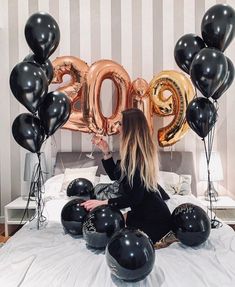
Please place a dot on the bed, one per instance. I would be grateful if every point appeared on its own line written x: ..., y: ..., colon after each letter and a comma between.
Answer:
x: 50, y: 257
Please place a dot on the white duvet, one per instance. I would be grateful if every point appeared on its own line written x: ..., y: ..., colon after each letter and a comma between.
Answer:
x: 51, y: 258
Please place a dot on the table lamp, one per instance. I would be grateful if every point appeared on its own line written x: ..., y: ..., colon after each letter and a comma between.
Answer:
x: 216, y: 174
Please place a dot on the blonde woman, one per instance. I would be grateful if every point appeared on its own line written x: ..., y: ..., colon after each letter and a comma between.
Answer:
x: 137, y: 173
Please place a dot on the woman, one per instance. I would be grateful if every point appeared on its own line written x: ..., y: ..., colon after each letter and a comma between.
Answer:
x: 137, y: 174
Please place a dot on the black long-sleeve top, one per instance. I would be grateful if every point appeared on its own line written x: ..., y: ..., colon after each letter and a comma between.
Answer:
x: 148, y: 212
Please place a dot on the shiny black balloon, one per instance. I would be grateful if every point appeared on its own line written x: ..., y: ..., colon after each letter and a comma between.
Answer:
x: 73, y: 216
x: 201, y: 116
x: 208, y: 70
x: 42, y: 34
x: 46, y: 66
x: 218, y: 26
x: 80, y: 187
x: 191, y: 224
x: 227, y: 81
x: 100, y: 224
x: 28, y: 132
x: 130, y: 255
x: 29, y: 85
x: 185, y: 50
x: 54, y: 111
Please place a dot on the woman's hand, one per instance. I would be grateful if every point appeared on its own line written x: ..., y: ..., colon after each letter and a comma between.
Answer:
x: 100, y: 143
x: 92, y: 203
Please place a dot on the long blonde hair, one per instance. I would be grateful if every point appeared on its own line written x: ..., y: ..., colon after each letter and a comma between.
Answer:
x: 137, y: 149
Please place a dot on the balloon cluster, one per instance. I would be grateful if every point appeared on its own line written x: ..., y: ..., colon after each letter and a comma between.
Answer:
x: 29, y: 82
x: 129, y: 253
x: 211, y: 72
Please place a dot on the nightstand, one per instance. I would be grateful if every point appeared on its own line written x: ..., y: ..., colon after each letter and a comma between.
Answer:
x: 14, y: 212
x: 224, y: 208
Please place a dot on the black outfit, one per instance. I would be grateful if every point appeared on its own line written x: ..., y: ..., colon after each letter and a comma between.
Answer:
x: 149, y: 212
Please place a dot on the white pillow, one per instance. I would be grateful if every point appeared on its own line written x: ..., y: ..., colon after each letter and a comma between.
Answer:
x: 173, y: 183
x: 105, y: 179
x: 71, y: 174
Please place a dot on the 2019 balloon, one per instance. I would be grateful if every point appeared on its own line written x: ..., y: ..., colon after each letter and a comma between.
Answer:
x: 208, y: 71
x: 201, y: 116
x: 100, y: 225
x: 218, y: 26
x: 73, y: 216
x: 42, y: 34
x: 185, y: 50
x: 191, y: 224
x: 29, y: 85
x: 227, y: 81
x: 54, y: 111
x: 46, y: 66
x: 74, y: 89
x: 130, y: 255
x: 181, y: 93
x: 80, y: 187
x: 28, y: 132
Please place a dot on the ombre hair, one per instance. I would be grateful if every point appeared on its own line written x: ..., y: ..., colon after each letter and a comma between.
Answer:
x: 137, y: 149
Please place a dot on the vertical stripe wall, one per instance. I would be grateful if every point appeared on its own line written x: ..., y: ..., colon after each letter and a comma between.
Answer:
x: 139, y: 34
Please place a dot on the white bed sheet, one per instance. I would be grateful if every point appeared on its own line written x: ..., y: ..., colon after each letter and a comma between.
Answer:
x: 49, y: 257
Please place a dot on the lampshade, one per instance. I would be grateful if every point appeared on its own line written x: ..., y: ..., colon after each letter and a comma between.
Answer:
x: 216, y: 170
x: 31, y: 161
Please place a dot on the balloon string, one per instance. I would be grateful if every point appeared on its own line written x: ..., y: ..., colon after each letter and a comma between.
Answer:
x: 36, y: 188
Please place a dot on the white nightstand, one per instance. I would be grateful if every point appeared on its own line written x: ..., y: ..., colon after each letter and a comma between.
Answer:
x: 224, y: 208
x: 14, y: 212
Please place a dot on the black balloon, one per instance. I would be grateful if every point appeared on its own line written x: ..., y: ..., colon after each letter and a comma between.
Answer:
x: 54, y: 111
x: 28, y: 132
x: 29, y: 85
x: 46, y: 66
x: 201, y: 116
x: 100, y: 224
x: 208, y: 70
x: 218, y: 26
x: 130, y: 255
x: 73, y: 216
x: 80, y: 187
x: 42, y: 34
x: 191, y: 224
x: 227, y: 81
x: 185, y: 50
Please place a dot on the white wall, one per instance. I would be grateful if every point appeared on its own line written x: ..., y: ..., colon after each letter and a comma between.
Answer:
x: 139, y: 34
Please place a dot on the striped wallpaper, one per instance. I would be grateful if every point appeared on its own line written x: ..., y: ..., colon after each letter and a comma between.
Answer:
x: 139, y: 34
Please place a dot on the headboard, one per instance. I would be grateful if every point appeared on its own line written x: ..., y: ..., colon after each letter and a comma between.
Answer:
x: 175, y: 161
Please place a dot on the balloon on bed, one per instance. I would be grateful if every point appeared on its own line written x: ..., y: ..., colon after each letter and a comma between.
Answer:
x: 130, y: 255
x: 29, y: 84
x: 191, y: 224
x: 100, y: 225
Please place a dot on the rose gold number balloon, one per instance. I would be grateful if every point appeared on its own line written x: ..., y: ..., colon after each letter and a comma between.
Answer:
x: 181, y: 93
x: 77, y: 69
x: 139, y: 98
x: 98, y: 72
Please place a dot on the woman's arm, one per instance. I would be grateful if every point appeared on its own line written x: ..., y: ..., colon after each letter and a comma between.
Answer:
x: 111, y: 168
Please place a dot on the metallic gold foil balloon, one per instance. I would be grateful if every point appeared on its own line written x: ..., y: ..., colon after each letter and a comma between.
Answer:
x: 98, y: 72
x: 77, y: 69
x: 181, y: 93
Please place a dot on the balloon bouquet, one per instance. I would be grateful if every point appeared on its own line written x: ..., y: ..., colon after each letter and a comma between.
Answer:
x: 211, y: 72
x: 29, y: 82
